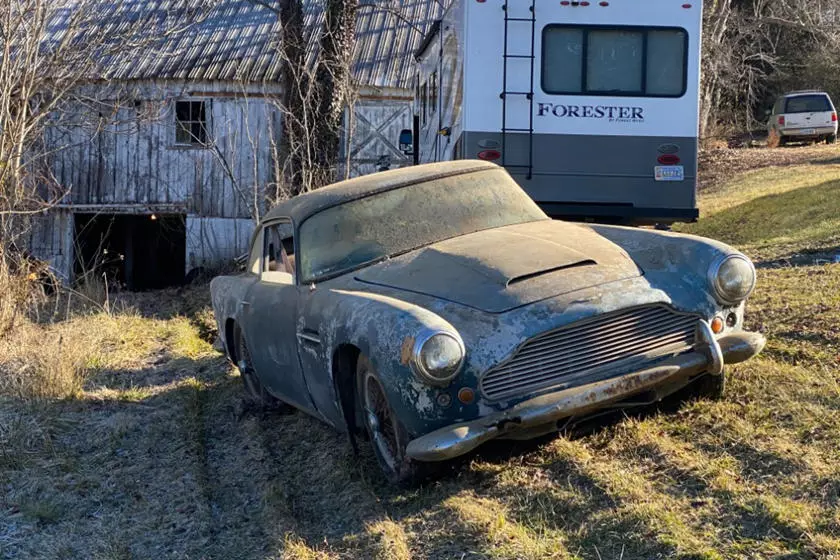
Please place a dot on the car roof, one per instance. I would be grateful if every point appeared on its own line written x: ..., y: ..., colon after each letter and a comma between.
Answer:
x: 805, y: 92
x: 302, y: 206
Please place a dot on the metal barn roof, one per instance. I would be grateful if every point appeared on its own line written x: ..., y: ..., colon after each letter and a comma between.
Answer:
x: 237, y: 40
x: 388, y: 37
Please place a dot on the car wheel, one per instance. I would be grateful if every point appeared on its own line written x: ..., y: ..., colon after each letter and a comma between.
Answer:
x: 709, y: 387
x: 831, y: 139
x: 256, y: 395
x: 388, y: 437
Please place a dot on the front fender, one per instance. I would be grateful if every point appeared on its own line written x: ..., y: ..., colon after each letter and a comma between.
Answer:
x: 383, y: 328
x: 676, y: 263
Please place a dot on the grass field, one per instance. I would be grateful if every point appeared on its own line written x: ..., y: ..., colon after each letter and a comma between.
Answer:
x: 127, y: 439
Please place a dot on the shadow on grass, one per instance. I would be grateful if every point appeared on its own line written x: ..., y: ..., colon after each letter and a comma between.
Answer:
x: 813, y: 257
x: 743, y: 519
x: 789, y: 214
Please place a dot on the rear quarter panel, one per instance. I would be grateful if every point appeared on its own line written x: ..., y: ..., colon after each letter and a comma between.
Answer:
x: 226, y: 293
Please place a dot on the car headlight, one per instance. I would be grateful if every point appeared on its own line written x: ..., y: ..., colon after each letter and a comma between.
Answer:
x: 732, y: 278
x: 438, y: 356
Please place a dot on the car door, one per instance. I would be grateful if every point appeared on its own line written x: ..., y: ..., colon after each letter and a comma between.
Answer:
x: 270, y: 312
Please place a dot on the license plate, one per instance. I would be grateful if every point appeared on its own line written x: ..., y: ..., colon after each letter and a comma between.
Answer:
x: 808, y: 131
x: 669, y: 173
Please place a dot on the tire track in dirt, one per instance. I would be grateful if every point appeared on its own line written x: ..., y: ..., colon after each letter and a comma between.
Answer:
x: 238, y: 474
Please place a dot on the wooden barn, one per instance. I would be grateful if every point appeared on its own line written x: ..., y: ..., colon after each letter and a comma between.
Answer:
x: 168, y: 160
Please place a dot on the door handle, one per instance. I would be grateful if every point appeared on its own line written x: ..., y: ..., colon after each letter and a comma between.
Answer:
x: 243, y: 304
x: 310, y: 336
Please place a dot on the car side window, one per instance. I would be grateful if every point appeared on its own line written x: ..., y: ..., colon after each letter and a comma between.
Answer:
x: 279, y: 253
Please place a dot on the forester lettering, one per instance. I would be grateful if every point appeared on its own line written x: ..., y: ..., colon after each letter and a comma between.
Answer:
x: 613, y: 113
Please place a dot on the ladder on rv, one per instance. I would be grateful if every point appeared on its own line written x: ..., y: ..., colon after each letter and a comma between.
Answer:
x: 528, y: 92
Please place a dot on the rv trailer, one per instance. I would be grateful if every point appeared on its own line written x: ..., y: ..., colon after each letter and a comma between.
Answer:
x: 591, y: 106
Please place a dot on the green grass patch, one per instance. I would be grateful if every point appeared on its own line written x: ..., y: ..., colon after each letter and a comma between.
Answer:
x: 775, y: 213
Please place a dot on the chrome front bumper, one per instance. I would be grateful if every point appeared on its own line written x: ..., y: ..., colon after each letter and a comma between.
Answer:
x: 709, y: 356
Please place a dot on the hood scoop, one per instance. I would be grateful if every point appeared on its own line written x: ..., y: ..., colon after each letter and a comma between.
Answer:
x: 532, y: 275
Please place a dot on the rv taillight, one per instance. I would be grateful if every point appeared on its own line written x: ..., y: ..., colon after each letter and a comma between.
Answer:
x: 668, y: 159
x: 489, y: 155
x: 833, y: 117
x: 782, y: 120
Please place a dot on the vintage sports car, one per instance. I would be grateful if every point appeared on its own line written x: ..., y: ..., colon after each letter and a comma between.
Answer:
x: 437, y: 307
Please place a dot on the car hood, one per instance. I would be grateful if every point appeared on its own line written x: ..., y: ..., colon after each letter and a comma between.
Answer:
x: 501, y: 269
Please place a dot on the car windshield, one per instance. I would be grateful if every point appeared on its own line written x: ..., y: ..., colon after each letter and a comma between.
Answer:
x: 351, y: 235
x: 808, y: 104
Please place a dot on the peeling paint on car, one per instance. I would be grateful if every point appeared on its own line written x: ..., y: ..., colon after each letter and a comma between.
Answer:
x: 495, y: 288
x: 407, y: 350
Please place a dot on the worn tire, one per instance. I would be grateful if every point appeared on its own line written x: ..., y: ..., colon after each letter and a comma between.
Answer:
x: 709, y: 387
x: 256, y: 395
x: 388, y: 436
x: 831, y: 139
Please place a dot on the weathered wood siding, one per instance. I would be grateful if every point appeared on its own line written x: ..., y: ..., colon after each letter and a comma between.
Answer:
x: 129, y: 157
x: 216, y: 240
x: 51, y: 239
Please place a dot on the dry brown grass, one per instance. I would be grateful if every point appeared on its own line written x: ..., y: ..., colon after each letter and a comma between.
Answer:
x: 42, y: 363
x: 18, y: 291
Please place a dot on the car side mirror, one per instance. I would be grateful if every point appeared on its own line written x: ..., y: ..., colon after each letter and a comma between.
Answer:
x: 407, y: 142
x: 277, y: 277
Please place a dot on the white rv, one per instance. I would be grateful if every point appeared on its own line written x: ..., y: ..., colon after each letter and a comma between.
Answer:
x: 591, y: 106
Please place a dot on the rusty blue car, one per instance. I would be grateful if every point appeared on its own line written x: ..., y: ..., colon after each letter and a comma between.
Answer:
x: 435, y: 308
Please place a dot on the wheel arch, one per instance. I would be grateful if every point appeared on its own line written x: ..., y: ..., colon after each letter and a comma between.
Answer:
x: 344, y: 361
x: 230, y: 339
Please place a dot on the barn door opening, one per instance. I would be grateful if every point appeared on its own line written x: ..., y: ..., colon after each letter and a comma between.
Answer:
x: 135, y: 252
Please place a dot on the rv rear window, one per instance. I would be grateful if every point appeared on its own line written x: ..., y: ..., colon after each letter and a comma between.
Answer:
x: 622, y: 61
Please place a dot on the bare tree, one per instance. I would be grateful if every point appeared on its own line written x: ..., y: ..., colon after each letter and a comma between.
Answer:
x: 754, y: 50
x: 316, y: 50
x: 49, y: 49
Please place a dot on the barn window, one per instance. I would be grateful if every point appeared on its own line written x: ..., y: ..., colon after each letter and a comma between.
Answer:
x: 190, y: 123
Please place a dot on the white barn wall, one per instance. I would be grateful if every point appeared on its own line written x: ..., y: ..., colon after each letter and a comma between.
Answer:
x: 216, y: 240
x: 132, y: 165
x: 134, y: 160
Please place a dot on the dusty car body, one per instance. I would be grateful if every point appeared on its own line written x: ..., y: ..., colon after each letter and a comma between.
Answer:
x: 437, y: 308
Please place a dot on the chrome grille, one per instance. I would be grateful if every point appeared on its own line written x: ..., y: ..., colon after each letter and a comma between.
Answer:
x: 613, y: 341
